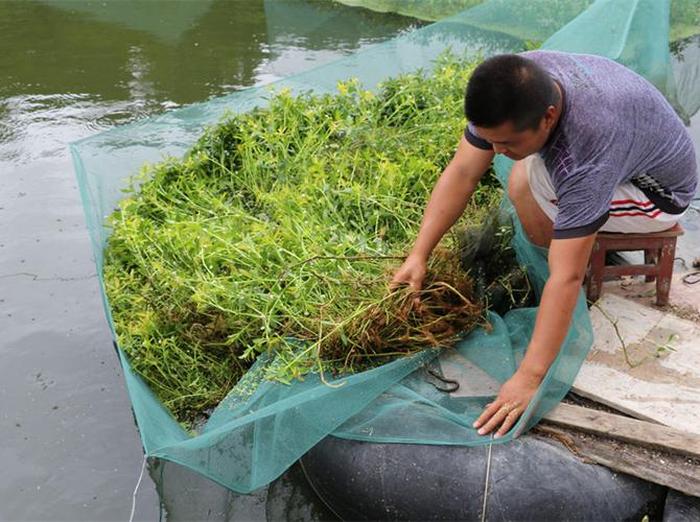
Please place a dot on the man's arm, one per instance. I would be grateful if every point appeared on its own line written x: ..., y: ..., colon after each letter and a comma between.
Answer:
x: 447, y: 202
x: 568, y: 259
x: 451, y: 194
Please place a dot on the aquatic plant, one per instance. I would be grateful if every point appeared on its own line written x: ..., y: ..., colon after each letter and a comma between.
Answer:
x: 279, y: 230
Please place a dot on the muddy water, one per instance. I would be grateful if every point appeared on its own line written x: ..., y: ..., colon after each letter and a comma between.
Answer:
x: 69, y: 449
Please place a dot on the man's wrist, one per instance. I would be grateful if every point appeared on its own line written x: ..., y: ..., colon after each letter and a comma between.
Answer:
x: 418, y: 253
x: 533, y: 371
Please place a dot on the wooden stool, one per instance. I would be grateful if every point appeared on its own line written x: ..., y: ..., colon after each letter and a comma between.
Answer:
x: 659, y: 252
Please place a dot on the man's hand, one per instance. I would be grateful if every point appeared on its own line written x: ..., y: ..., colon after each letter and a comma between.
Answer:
x: 447, y: 202
x: 509, y: 405
x: 412, y: 272
x: 568, y: 259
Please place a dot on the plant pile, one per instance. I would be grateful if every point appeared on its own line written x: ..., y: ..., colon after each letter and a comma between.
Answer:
x: 279, y: 231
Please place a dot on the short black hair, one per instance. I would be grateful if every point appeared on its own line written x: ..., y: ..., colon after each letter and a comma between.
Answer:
x: 509, y: 87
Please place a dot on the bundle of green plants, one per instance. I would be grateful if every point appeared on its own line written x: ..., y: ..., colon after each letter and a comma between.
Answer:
x: 279, y: 231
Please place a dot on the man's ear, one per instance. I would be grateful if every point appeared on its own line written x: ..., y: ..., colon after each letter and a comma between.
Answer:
x: 549, y: 117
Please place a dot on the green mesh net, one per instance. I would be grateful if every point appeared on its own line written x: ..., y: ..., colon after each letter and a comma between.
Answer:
x: 685, y: 14
x: 262, y: 427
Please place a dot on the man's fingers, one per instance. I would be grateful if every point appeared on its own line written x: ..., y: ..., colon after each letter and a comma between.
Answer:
x: 393, y: 284
x: 415, y: 285
x: 398, y: 282
x: 498, y: 413
x: 494, y: 421
x: 491, y: 408
x: 510, y: 419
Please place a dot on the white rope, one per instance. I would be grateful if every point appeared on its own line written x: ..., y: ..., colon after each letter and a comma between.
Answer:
x: 133, y: 497
x: 486, y: 482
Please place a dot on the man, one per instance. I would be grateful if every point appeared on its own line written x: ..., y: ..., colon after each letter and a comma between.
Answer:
x: 596, y: 147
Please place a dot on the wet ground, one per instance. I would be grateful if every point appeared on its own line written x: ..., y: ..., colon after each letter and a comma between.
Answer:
x: 70, y: 449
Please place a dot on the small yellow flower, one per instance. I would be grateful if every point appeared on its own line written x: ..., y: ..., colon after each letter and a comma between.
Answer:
x: 342, y: 88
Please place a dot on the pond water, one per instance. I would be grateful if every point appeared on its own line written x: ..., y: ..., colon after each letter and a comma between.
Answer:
x: 70, y: 449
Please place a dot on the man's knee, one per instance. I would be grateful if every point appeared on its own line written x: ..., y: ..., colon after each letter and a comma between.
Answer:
x: 536, y: 223
x: 518, y: 185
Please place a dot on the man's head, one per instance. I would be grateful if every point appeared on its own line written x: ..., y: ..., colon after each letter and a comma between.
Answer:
x: 513, y: 103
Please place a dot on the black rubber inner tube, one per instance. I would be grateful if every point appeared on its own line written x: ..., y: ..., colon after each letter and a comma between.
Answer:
x: 531, y: 478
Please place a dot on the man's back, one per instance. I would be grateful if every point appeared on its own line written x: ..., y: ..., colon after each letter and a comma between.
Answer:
x: 615, y: 127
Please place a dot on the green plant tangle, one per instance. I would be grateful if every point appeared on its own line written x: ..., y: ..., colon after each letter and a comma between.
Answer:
x: 278, y: 232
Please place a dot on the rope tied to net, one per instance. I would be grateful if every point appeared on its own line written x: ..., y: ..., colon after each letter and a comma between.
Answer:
x: 486, y: 480
x: 133, y: 496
